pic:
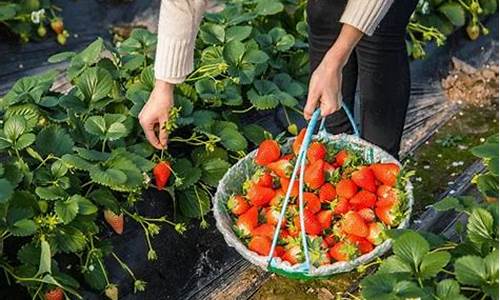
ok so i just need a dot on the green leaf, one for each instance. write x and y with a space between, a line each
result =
213 171
76 162
204 118
58 169
254 133
91 54
448 203
105 198
212 33
70 240
433 263
24 141
108 177
61 56
6 190
29 254
268 7
238 33
255 56
480 226
54 140
471 270
185 170
382 286
8 11
23 227
85 206
193 202
45 259
14 127
394 264
411 247
50 192
95 84
487 184
454 12
264 95
448 289
67 210
95 276
233 52
91 155
489 150
109 126
232 139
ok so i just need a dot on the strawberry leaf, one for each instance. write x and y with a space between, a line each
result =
194 202
67 210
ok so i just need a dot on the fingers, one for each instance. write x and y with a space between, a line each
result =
311 104
149 130
329 105
163 132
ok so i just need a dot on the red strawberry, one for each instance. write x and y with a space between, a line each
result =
387 173
247 221
268 152
272 214
343 251
54 294
298 141
387 196
340 205
376 233
325 218
386 214
266 230
327 193
363 244
237 204
293 254
311 202
260 244
346 188
114 220
367 214
283 168
314 175
363 199
364 178
162 172
341 157
279 251
329 240
311 223
292 229
259 195
277 200
284 187
354 224
316 151
265 180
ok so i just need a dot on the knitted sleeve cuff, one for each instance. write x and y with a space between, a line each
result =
365 15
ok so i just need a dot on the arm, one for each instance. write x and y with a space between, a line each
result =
177 29
325 86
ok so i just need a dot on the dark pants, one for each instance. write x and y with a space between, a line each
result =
379 64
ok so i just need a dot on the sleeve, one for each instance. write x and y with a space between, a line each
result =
177 29
365 15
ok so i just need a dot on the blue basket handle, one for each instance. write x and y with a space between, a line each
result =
349 116
300 163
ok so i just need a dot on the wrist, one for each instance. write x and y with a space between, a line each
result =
337 56
164 86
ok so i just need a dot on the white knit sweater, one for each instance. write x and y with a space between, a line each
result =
180 20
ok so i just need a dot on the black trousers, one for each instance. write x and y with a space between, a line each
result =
379 64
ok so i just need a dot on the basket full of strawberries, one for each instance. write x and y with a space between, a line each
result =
314 206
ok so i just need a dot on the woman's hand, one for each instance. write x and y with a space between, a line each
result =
154 115
325 85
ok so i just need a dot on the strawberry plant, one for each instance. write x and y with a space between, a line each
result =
428 266
31 19
433 20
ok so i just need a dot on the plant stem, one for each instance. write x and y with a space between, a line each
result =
466 288
124 265
243 110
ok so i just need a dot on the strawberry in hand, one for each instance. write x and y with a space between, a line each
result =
162 172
